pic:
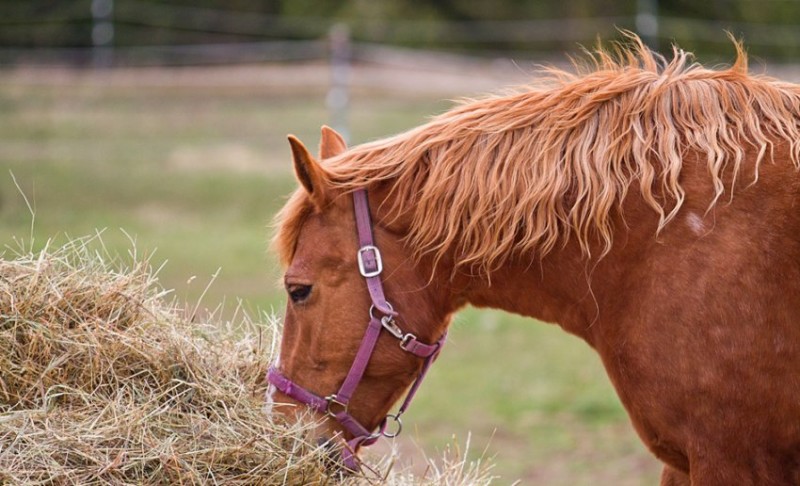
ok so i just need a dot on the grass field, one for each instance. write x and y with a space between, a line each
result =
194 173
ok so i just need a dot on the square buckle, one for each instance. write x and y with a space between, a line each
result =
406 340
378 261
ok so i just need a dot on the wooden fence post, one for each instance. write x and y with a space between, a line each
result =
338 99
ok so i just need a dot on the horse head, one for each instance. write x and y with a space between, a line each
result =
362 322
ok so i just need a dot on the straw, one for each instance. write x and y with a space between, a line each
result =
104 381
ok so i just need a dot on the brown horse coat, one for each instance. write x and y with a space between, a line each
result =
650 207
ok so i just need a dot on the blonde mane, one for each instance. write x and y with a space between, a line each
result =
522 173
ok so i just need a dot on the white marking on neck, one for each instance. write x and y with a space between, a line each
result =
696 224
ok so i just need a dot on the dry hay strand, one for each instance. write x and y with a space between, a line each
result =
104 382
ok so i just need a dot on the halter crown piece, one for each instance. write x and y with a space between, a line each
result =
381 317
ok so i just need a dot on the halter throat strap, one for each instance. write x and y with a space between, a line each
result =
381 318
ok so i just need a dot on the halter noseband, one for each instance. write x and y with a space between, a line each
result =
370 266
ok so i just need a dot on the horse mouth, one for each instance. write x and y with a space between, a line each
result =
333 458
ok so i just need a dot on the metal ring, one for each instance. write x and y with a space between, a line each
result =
372 309
396 418
375 435
332 400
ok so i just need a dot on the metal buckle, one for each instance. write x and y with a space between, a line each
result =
396 418
388 323
331 399
378 261
407 339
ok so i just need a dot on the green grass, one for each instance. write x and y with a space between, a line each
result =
195 175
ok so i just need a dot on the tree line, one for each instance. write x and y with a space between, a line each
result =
771 28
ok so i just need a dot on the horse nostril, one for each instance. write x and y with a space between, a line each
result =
332 457
325 443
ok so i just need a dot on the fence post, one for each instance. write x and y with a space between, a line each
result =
102 33
338 99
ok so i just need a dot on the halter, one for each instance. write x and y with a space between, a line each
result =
370 267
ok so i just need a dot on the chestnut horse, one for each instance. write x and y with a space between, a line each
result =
649 206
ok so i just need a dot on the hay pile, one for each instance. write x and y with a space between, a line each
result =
102 382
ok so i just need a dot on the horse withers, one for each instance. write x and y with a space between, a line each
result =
650 207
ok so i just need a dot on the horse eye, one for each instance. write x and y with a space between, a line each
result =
298 293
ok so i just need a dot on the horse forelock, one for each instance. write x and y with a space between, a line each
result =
508 175
288 223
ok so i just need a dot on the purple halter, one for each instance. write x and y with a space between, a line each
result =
370 266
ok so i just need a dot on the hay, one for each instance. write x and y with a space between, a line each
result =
103 382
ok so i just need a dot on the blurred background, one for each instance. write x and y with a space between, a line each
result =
163 123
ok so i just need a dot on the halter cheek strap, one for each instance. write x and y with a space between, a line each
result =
370 265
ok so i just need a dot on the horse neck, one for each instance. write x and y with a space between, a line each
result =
564 288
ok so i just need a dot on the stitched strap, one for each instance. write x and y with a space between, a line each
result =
302 395
289 388
370 258
360 362
421 349
421 376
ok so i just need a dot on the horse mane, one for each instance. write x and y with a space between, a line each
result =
513 174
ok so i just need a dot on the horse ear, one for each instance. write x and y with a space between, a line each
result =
308 171
332 144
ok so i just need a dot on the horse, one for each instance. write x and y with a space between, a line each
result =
648 205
